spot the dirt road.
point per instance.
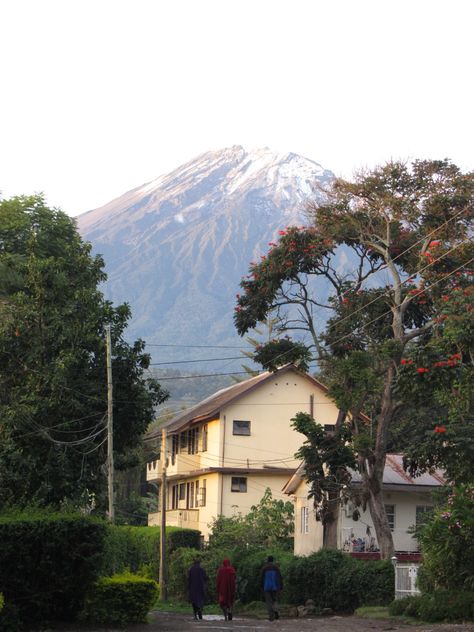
(163, 622)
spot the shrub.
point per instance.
(180, 562)
(447, 606)
(333, 579)
(48, 561)
(248, 564)
(183, 538)
(408, 606)
(137, 549)
(120, 599)
(447, 543)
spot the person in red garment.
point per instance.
(226, 588)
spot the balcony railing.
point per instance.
(186, 518)
(356, 540)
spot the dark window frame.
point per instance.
(237, 430)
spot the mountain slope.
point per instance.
(177, 247)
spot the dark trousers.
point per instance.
(271, 601)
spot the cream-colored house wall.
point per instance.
(405, 502)
(308, 542)
(269, 409)
(241, 502)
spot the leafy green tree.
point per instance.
(53, 393)
(404, 231)
(270, 523)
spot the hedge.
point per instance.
(332, 579)
(450, 606)
(120, 599)
(47, 563)
(137, 549)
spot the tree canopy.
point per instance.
(366, 286)
(53, 386)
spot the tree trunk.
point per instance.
(331, 522)
(372, 471)
(379, 518)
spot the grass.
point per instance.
(382, 612)
(181, 607)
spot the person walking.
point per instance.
(271, 583)
(197, 584)
(226, 588)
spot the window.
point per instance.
(196, 502)
(192, 441)
(329, 427)
(191, 497)
(183, 441)
(204, 437)
(174, 448)
(390, 511)
(423, 512)
(304, 520)
(174, 497)
(238, 484)
(241, 427)
(203, 493)
(182, 491)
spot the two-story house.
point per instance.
(225, 451)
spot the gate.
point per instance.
(405, 579)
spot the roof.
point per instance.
(394, 476)
(210, 407)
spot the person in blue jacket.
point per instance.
(272, 584)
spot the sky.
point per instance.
(100, 96)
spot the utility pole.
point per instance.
(110, 425)
(163, 561)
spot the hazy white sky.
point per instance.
(100, 96)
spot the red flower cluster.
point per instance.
(405, 361)
(440, 429)
(421, 370)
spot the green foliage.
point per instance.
(334, 580)
(2, 602)
(183, 538)
(53, 395)
(249, 563)
(327, 458)
(120, 599)
(449, 606)
(270, 523)
(276, 353)
(181, 560)
(447, 544)
(48, 561)
(408, 606)
(137, 549)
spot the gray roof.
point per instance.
(394, 476)
(210, 407)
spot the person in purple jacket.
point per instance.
(271, 583)
(197, 585)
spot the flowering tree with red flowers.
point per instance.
(406, 232)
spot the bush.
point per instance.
(47, 563)
(333, 579)
(447, 606)
(137, 549)
(447, 544)
(180, 562)
(408, 606)
(120, 599)
(183, 538)
(248, 564)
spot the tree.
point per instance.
(53, 393)
(404, 231)
(270, 523)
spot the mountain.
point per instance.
(176, 248)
